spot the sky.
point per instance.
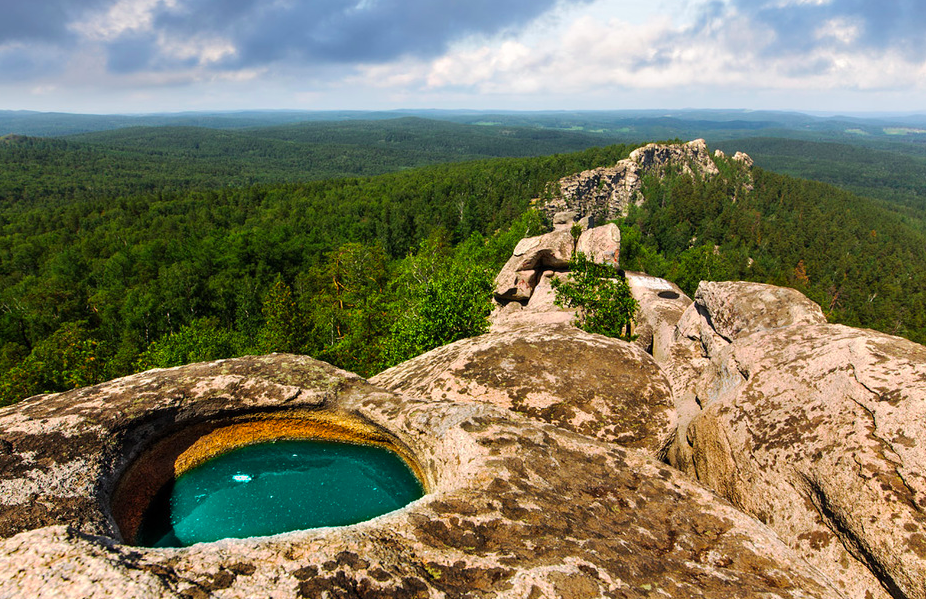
(143, 56)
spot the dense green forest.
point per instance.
(897, 178)
(166, 159)
(353, 271)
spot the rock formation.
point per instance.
(601, 387)
(514, 507)
(818, 430)
(523, 289)
(607, 193)
(661, 305)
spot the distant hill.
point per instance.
(897, 178)
(152, 159)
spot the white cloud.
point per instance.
(204, 50)
(841, 30)
(588, 55)
(125, 16)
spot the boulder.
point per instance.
(661, 305)
(737, 308)
(817, 430)
(540, 309)
(514, 507)
(531, 257)
(590, 384)
(564, 220)
(601, 244)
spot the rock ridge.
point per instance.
(607, 193)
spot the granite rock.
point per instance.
(514, 507)
(817, 430)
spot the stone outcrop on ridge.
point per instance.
(818, 430)
(598, 386)
(660, 306)
(607, 193)
(523, 289)
(514, 507)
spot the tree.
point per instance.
(602, 295)
(446, 296)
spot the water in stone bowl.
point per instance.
(278, 487)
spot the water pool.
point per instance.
(278, 487)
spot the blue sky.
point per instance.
(131, 56)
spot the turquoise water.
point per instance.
(278, 487)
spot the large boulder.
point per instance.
(590, 384)
(531, 257)
(601, 244)
(817, 430)
(541, 309)
(661, 304)
(514, 507)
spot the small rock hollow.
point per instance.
(261, 475)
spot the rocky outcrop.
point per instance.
(818, 430)
(661, 304)
(598, 386)
(523, 289)
(514, 507)
(607, 193)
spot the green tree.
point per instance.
(68, 359)
(200, 341)
(446, 296)
(601, 294)
(285, 327)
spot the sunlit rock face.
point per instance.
(513, 507)
(594, 385)
(607, 193)
(817, 430)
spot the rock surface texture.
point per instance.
(661, 305)
(817, 430)
(514, 507)
(607, 193)
(598, 386)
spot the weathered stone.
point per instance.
(736, 308)
(540, 310)
(517, 285)
(586, 383)
(564, 219)
(817, 430)
(601, 244)
(661, 304)
(744, 158)
(533, 255)
(608, 193)
(514, 507)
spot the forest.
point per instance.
(349, 270)
(138, 248)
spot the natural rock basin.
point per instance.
(271, 488)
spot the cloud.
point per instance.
(41, 20)
(895, 25)
(721, 48)
(236, 34)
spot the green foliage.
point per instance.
(601, 294)
(67, 359)
(835, 247)
(285, 324)
(347, 305)
(200, 341)
(444, 295)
